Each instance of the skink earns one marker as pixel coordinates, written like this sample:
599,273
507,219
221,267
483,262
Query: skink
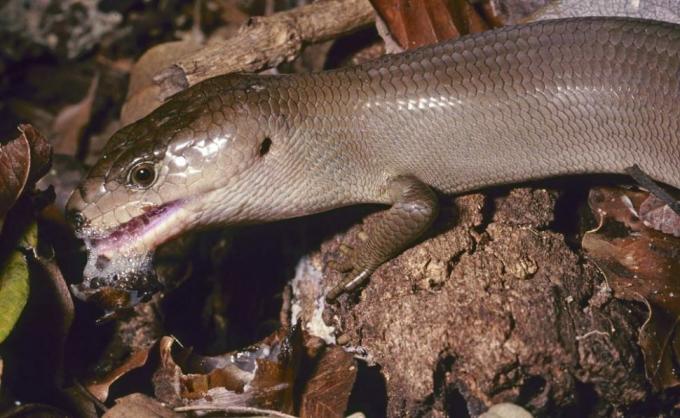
584,95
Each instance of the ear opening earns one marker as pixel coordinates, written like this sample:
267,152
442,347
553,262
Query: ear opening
265,146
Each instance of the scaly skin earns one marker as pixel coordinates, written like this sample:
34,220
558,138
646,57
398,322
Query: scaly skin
589,95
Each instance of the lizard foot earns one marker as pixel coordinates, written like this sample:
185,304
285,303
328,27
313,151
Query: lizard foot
414,207
353,277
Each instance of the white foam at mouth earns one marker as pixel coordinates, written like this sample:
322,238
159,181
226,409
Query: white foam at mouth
113,268
128,249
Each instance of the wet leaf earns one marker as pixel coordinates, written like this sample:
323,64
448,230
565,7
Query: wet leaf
418,23
640,264
14,284
327,392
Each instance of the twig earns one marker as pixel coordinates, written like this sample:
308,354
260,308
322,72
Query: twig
644,180
232,410
267,42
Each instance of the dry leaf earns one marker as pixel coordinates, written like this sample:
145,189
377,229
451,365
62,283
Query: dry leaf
327,392
22,162
139,406
644,265
100,388
418,23
72,120
261,376
41,152
15,164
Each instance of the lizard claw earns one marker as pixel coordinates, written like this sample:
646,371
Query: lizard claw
353,275
348,284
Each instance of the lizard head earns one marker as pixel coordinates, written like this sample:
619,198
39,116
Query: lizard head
178,169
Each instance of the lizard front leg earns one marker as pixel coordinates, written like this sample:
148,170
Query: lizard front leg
414,207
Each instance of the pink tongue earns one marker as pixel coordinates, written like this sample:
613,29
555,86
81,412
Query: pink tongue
126,231
133,228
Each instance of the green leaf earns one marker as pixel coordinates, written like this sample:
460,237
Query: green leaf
14,284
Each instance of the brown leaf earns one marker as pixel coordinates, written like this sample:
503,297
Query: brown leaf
327,392
15,165
417,23
56,304
261,376
71,121
644,265
41,152
166,379
100,388
139,406
22,162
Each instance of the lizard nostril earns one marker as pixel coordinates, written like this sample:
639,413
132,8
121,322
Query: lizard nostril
76,219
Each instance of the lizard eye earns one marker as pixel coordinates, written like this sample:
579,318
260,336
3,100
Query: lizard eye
142,175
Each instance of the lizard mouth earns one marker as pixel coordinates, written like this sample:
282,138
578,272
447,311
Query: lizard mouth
119,263
138,228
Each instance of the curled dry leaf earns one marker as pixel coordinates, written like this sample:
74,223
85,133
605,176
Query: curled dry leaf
261,376
644,265
99,388
15,164
22,161
41,152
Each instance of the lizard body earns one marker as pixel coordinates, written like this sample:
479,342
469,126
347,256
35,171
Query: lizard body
574,96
